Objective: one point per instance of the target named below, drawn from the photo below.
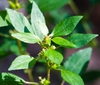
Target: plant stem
(48, 75)
(20, 47)
(62, 83)
(5, 35)
(29, 72)
(33, 83)
(74, 7)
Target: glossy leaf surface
(66, 26)
(22, 62)
(10, 79)
(26, 37)
(81, 39)
(38, 22)
(54, 56)
(63, 42)
(71, 78)
(78, 61)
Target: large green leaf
(38, 22)
(54, 56)
(10, 79)
(63, 42)
(71, 78)
(66, 26)
(22, 62)
(19, 21)
(47, 5)
(81, 39)
(78, 61)
(26, 37)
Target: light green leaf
(19, 21)
(54, 56)
(63, 42)
(10, 79)
(26, 37)
(38, 22)
(66, 26)
(71, 78)
(47, 5)
(78, 61)
(31, 1)
(81, 39)
(22, 62)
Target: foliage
(36, 31)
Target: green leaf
(10, 79)
(81, 39)
(38, 22)
(3, 21)
(31, 1)
(47, 5)
(66, 26)
(26, 37)
(63, 42)
(78, 61)
(15, 49)
(19, 21)
(71, 78)
(22, 62)
(54, 56)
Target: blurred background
(54, 13)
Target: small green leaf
(66, 26)
(19, 21)
(54, 56)
(71, 78)
(63, 42)
(26, 37)
(81, 39)
(78, 61)
(47, 5)
(22, 62)
(38, 22)
(10, 79)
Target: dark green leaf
(81, 39)
(54, 56)
(38, 22)
(47, 5)
(66, 26)
(3, 21)
(78, 61)
(71, 78)
(63, 42)
(22, 62)
(26, 37)
(19, 21)
(10, 79)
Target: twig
(62, 83)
